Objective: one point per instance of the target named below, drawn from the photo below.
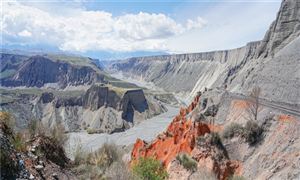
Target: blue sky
(118, 29)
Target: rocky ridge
(39, 70)
(101, 108)
(182, 137)
(195, 130)
(258, 63)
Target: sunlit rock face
(181, 137)
(270, 63)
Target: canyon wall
(100, 108)
(271, 64)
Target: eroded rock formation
(182, 136)
(39, 70)
(270, 63)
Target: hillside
(73, 91)
(259, 63)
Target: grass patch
(232, 130)
(187, 162)
(19, 142)
(105, 163)
(149, 168)
(251, 132)
(235, 177)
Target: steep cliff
(257, 63)
(101, 108)
(283, 30)
(169, 71)
(39, 70)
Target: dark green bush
(232, 130)
(252, 132)
(187, 162)
(237, 178)
(149, 169)
(19, 142)
(9, 167)
(7, 123)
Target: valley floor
(146, 130)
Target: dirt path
(284, 108)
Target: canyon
(191, 113)
(270, 64)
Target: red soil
(180, 137)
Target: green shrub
(216, 139)
(252, 132)
(105, 156)
(58, 134)
(149, 169)
(7, 123)
(105, 163)
(79, 155)
(19, 142)
(232, 130)
(52, 150)
(234, 177)
(187, 162)
(32, 128)
(9, 167)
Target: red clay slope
(180, 137)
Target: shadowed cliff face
(102, 108)
(38, 71)
(128, 102)
(132, 101)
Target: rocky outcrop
(38, 71)
(100, 95)
(182, 136)
(39, 158)
(101, 108)
(283, 30)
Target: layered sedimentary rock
(271, 64)
(101, 108)
(39, 70)
(169, 71)
(283, 30)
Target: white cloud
(197, 24)
(25, 33)
(144, 26)
(91, 30)
(229, 25)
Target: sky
(118, 29)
